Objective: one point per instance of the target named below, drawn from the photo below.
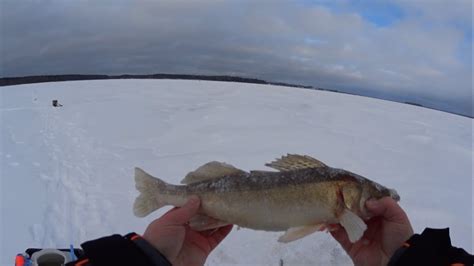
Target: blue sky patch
(379, 13)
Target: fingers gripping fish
(304, 196)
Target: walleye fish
(303, 197)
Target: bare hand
(181, 245)
(386, 232)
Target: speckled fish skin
(276, 201)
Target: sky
(405, 50)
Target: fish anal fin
(295, 233)
(295, 162)
(202, 222)
(211, 170)
(354, 225)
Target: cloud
(423, 53)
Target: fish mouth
(394, 194)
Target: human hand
(181, 245)
(386, 231)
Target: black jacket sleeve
(127, 250)
(432, 247)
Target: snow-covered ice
(66, 173)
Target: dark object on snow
(56, 103)
(432, 247)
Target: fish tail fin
(149, 199)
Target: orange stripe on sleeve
(82, 262)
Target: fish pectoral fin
(211, 170)
(354, 225)
(295, 162)
(351, 194)
(202, 222)
(295, 233)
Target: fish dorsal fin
(211, 170)
(295, 162)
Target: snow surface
(67, 173)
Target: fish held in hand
(303, 197)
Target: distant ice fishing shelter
(56, 103)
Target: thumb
(183, 214)
(388, 209)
